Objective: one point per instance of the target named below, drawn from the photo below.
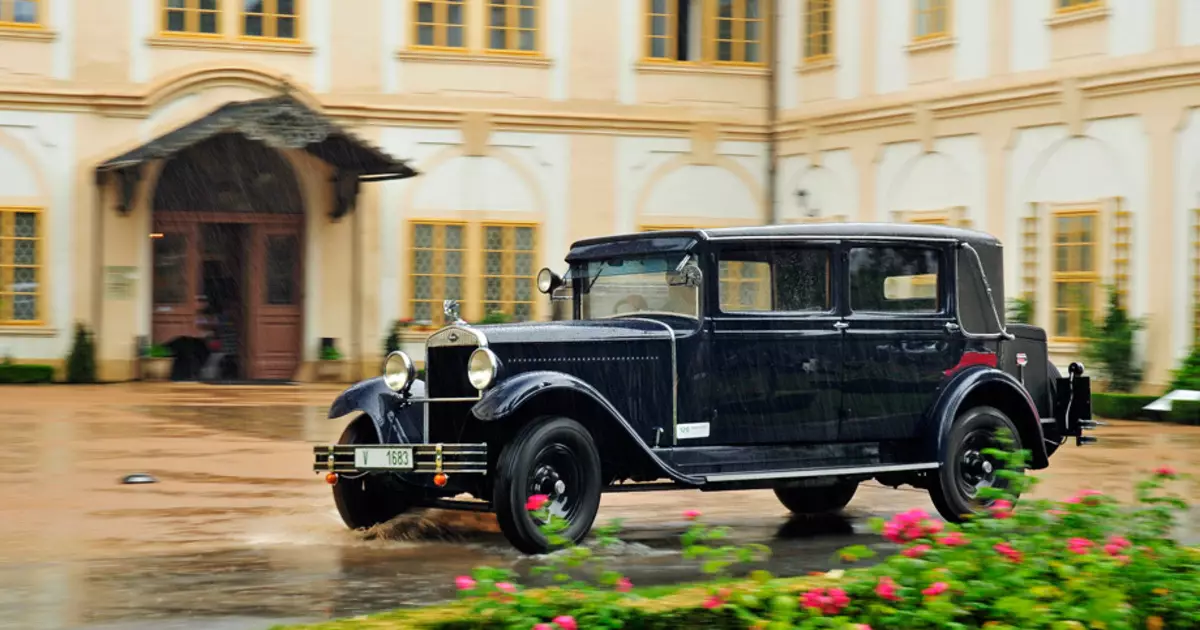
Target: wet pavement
(238, 533)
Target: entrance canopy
(280, 122)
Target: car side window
(775, 280)
(894, 279)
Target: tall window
(1067, 6)
(20, 12)
(20, 266)
(818, 29)
(932, 19)
(717, 31)
(509, 252)
(195, 17)
(513, 26)
(931, 220)
(744, 285)
(439, 24)
(270, 19)
(739, 31)
(438, 269)
(1075, 274)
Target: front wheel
(555, 457)
(371, 499)
(965, 469)
(821, 500)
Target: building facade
(1068, 128)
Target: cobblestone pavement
(238, 532)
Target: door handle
(840, 325)
(951, 327)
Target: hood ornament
(450, 309)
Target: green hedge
(16, 373)
(1120, 406)
(1184, 412)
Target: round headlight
(545, 280)
(398, 371)
(482, 368)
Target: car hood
(575, 331)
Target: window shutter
(1029, 250)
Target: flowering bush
(1081, 562)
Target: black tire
(964, 469)
(544, 453)
(372, 499)
(824, 500)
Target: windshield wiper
(603, 264)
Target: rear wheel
(371, 499)
(555, 457)
(965, 469)
(817, 500)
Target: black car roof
(816, 230)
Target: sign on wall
(119, 282)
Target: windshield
(646, 285)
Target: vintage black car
(806, 359)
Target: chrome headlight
(482, 368)
(399, 372)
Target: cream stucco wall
(1015, 108)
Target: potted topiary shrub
(156, 364)
(81, 361)
(330, 362)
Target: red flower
(536, 502)
(713, 602)
(1086, 497)
(915, 551)
(887, 589)
(954, 539)
(1165, 471)
(1008, 551)
(1079, 545)
(505, 587)
(464, 583)
(566, 622)
(543, 626)
(691, 515)
(1002, 509)
(935, 589)
(829, 602)
(624, 585)
(1116, 545)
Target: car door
(776, 347)
(901, 339)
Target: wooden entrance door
(275, 300)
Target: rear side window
(894, 279)
(786, 279)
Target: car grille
(446, 377)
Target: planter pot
(157, 368)
(330, 370)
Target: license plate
(383, 458)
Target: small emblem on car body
(1022, 359)
(453, 337)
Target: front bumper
(433, 459)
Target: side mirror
(548, 281)
(688, 275)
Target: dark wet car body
(802, 358)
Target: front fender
(986, 385)
(514, 393)
(396, 420)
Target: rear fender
(526, 389)
(396, 420)
(983, 385)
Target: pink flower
(464, 583)
(536, 502)
(887, 589)
(829, 602)
(1002, 509)
(1086, 497)
(543, 626)
(566, 622)
(1116, 545)
(505, 587)
(624, 585)
(712, 602)
(1079, 545)
(1165, 471)
(935, 589)
(915, 551)
(934, 527)
(691, 515)
(954, 539)
(1008, 551)
(862, 626)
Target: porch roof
(281, 122)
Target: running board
(818, 472)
